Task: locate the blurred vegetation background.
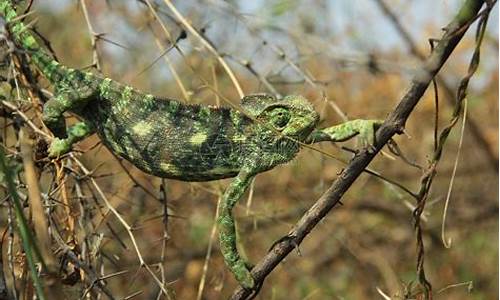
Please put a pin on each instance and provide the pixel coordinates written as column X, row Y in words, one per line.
column 349, row 54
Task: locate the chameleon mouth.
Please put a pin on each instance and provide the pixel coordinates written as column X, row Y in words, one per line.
column 310, row 128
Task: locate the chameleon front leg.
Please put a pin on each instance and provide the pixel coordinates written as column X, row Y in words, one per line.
column 66, row 98
column 364, row 129
column 54, row 109
column 227, row 231
column 75, row 133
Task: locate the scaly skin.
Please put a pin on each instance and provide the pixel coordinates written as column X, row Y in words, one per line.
column 169, row 139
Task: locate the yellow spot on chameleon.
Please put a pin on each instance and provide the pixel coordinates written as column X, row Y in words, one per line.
column 239, row 138
column 141, row 128
column 198, row 138
column 220, row 170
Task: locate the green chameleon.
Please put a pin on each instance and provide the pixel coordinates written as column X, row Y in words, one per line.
column 169, row 139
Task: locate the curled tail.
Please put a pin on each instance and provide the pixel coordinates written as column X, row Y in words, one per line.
column 23, row 37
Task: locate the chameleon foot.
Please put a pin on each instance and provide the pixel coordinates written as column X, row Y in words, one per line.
column 58, row 147
column 76, row 133
column 255, row 290
column 367, row 129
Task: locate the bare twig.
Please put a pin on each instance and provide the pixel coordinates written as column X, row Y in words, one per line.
column 208, row 254
column 53, row 286
column 124, row 223
column 91, row 276
column 308, row 78
column 93, row 37
column 447, row 242
column 164, row 51
column 207, row 44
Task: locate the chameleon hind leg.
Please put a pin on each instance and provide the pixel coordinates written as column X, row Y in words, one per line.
column 53, row 112
column 227, row 231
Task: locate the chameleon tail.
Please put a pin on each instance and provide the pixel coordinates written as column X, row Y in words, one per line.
column 50, row 68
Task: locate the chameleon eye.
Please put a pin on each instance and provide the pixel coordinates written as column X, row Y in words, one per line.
column 280, row 118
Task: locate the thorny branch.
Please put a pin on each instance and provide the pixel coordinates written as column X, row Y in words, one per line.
column 93, row 39
column 393, row 124
column 207, row 44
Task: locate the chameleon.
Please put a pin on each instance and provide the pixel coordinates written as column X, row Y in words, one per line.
column 170, row 139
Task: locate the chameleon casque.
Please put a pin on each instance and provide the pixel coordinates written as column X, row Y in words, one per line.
column 169, row 139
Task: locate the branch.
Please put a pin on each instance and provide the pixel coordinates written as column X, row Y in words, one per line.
column 393, row 124
column 472, row 124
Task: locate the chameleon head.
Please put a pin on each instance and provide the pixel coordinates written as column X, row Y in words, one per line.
column 284, row 122
column 293, row 116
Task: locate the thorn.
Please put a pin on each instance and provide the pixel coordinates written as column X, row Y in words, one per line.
column 297, row 248
column 387, row 155
column 182, row 35
column 99, row 36
column 406, row 133
column 432, row 41
column 371, row 149
column 400, row 129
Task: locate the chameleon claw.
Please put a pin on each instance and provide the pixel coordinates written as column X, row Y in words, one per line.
column 367, row 130
column 255, row 290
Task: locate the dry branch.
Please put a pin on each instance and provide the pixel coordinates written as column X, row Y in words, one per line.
column 472, row 124
column 393, row 124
